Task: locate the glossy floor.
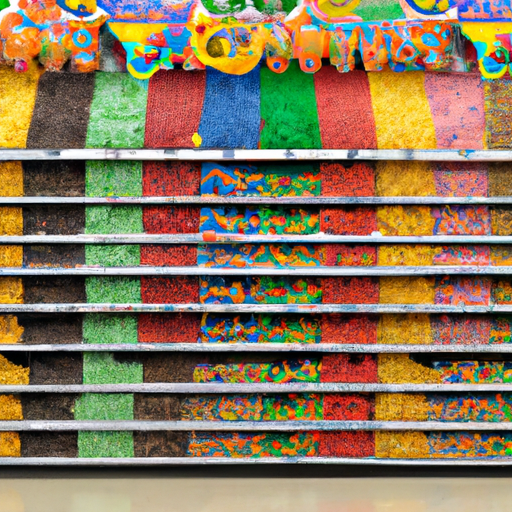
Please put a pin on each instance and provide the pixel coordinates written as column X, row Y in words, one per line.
column 263, row 490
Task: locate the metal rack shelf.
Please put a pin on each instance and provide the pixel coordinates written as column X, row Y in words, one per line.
column 217, row 461
column 314, row 271
column 292, row 350
column 249, row 426
column 216, row 388
column 337, row 348
column 254, row 155
column 250, row 200
column 249, row 308
column 218, row 238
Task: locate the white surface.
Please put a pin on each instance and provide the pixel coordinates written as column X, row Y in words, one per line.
column 189, row 494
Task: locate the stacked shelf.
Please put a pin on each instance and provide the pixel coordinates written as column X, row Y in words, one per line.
column 162, row 310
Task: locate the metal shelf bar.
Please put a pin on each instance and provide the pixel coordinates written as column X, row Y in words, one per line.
column 316, row 271
column 250, row 200
column 218, row 461
column 216, row 388
column 262, row 347
column 285, row 155
column 250, row 308
column 249, row 426
column 218, row 238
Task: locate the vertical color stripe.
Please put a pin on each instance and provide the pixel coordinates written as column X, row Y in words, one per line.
column 499, row 179
column 457, row 106
column 54, row 178
column 17, row 99
column 456, row 179
column 398, row 445
column 345, row 109
column 92, row 406
column 288, row 110
column 10, row 445
column 11, row 218
column 60, row 120
column 406, row 290
column 401, row 407
column 231, row 112
column 121, row 179
column 411, row 178
column 102, row 179
column 169, row 179
column 401, row 109
column 498, row 114
column 410, row 329
column 11, row 288
column 175, row 102
column 118, row 112
column 11, row 223
column 106, row 178
column 11, row 185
